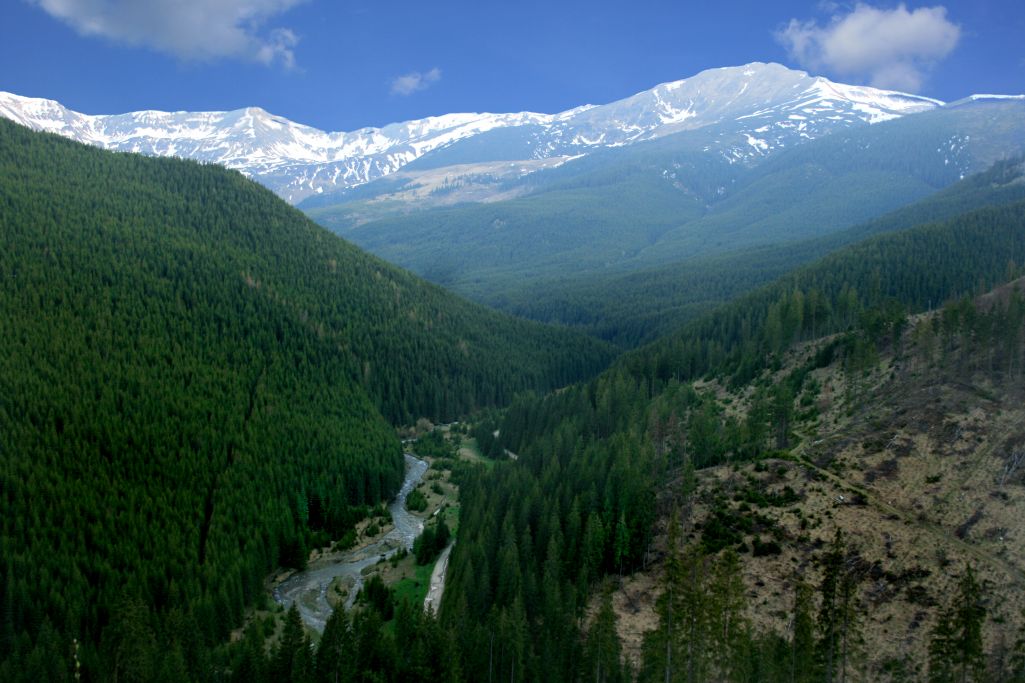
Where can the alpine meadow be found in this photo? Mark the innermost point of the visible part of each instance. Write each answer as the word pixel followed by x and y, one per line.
pixel 717 380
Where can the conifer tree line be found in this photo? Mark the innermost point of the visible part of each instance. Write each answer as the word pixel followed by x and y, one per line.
pixel 640 423
pixel 354 648
pixel 195 389
pixel 884 277
pixel 637 308
pixel 703 634
pixel 534 625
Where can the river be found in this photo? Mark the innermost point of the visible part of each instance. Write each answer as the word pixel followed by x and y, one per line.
pixel 308 589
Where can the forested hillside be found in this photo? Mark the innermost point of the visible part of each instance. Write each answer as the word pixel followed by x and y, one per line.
pixel 593 459
pixel 914 270
pixel 675 198
pixel 197 384
pixel 636 308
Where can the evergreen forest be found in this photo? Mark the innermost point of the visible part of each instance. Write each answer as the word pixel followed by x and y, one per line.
pixel 200 386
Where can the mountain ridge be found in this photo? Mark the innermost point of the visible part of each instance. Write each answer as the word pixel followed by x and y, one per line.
pixel 199 385
pixel 297 161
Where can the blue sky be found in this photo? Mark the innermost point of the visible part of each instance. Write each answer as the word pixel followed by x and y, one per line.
pixel 341 64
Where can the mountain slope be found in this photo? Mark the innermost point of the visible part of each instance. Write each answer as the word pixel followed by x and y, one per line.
pixel 194 386
pixel 721 425
pixel 912 451
pixel 638 307
pixel 671 200
pixel 298 161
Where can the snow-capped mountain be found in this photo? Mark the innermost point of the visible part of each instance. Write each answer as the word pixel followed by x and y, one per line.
pixel 289 158
pixel 770 101
pixel 759 107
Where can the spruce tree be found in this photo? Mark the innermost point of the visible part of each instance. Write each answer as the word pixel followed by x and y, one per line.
pixel 594 545
pixel 1018 655
pixel 956 647
pixel 621 546
pixel 335 654
pixel 291 661
pixel 693 615
pixel 251 666
pixel 602 663
pixel 802 640
pixel 942 650
pixel 729 627
pixel 849 614
pixel 659 663
pixel 829 607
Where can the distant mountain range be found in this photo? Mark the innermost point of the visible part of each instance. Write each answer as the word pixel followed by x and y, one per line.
pixel 759 107
pixel 502 207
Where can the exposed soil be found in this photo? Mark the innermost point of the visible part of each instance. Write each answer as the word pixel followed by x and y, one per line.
pixel 910 461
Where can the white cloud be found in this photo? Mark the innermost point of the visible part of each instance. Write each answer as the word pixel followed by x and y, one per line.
pixel 415 81
pixel 891 48
pixel 188 29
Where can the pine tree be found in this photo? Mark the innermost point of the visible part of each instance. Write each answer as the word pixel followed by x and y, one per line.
pixel 802 640
pixel 291 661
pixel 956 648
pixel 602 663
pixel 829 620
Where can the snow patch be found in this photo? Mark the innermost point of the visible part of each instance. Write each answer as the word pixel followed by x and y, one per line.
pixel 771 105
pixel 760 145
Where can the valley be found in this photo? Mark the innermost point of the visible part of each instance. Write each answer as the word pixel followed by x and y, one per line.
pixel 719 381
pixel 307 589
pixel 211 410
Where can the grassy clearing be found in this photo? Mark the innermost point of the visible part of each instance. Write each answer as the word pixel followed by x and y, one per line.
pixel 470 452
pixel 416 586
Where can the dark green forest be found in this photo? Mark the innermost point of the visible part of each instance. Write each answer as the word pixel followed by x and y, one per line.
pixel 913 270
pixel 633 309
pixel 543 536
pixel 196 386
pixel 199 385
pixel 590 461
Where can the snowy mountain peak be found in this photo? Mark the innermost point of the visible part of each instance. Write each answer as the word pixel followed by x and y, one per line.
pixel 987 98
pixel 760 107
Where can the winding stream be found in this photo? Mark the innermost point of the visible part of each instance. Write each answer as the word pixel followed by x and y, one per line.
pixel 308 589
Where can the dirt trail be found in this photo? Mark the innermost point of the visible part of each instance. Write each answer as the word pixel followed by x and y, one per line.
pixel 937 531
pixel 437 586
